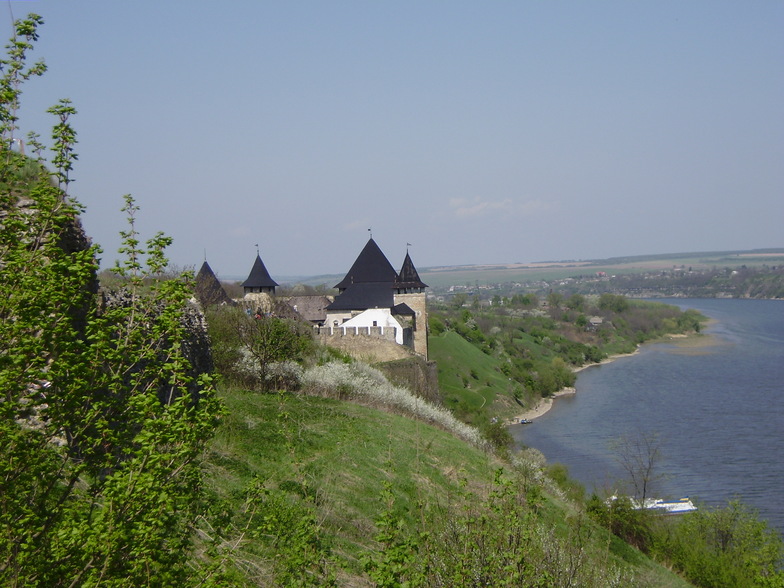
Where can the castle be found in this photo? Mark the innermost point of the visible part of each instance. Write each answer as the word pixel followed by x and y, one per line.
pixel 378 311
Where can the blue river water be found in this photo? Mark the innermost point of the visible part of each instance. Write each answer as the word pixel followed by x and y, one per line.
pixel 716 405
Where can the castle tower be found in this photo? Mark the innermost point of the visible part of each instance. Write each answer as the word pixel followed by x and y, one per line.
pixel 208 289
pixel 259 285
pixel 410 290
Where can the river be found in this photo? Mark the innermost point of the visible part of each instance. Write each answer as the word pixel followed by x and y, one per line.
pixel 715 402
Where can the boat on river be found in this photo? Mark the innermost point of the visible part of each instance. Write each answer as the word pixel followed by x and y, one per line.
pixel 680 506
pixel 662 506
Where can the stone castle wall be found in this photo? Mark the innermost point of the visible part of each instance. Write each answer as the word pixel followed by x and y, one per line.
pixel 369 344
pixel 416 374
pixel 418 303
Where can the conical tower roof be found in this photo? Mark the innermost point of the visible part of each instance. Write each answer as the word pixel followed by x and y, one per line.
pixel 371 266
pixel 208 288
pixel 259 276
pixel 408 276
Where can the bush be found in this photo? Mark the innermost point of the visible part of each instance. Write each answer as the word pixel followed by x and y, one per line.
pixel 619 516
pixel 724 547
pixel 257 351
pixel 362 382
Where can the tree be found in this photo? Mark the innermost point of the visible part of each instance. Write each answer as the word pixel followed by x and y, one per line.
pixel 102 420
pixel 247 347
pixel 459 300
pixel 639 455
pixel 613 302
pixel 554 300
pixel 576 302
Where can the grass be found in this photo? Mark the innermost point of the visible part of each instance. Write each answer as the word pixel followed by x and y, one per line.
pixel 339 460
pixel 468 378
pixel 341 452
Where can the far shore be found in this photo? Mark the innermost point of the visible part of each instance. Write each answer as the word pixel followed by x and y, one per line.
pixel 694 340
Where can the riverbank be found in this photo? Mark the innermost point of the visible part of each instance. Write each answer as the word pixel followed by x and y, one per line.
pixel 692 342
pixel 545 404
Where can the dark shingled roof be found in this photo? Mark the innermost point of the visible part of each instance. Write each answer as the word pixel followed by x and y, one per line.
pixel 208 289
pixel 371 266
pixel 403 309
pixel 259 276
pixel 408 276
pixel 363 296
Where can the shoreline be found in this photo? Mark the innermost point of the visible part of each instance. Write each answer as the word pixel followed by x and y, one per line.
pixel 545 404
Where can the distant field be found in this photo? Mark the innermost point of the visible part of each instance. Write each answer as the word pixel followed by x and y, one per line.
pixel 441 277
pixel 445 276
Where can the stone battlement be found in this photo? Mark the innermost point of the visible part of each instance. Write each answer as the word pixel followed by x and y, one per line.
pixel 385 333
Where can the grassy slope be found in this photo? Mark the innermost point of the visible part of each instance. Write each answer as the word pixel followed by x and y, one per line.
pixel 467 376
pixel 345 454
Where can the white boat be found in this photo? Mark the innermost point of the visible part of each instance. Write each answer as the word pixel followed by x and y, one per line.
pixel 679 506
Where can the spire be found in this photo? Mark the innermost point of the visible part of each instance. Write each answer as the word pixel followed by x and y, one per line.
pixel 408 278
pixel 208 289
pixel 259 277
pixel 370 266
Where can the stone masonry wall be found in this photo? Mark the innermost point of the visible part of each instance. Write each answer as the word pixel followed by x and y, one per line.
pixel 416 374
pixel 367 344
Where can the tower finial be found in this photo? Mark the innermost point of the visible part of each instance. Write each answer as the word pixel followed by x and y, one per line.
pixel 257 248
pixel 370 232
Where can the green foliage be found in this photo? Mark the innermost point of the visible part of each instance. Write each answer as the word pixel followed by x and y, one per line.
pixel 385 500
pixel 287 530
pixel 622 519
pixel 436 325
pixel 537 352
pixel 559 473
pixel 395 563
pixel 497 433
pixel 724 547
pixel 102 419
pixel 247 348
pixel 613 302
pixel 500 539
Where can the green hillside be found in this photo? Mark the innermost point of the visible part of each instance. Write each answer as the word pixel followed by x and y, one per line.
pixel 469 379
pixel 357 496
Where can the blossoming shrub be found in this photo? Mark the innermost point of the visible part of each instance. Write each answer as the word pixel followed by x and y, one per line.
pixel 361 382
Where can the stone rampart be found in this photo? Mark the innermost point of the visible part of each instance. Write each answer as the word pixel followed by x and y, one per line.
pixel 369 344
pixel 384 333
pixel 416 374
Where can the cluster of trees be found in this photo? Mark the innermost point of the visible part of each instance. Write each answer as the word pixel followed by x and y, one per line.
pixel 538 346
pixel 102 420
pixel 256 350
pixel 738 282
pixel 712 548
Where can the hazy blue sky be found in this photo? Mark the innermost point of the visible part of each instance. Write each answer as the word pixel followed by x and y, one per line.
pixel 479 132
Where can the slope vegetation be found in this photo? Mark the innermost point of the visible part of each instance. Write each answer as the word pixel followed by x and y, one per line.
pixel 326 491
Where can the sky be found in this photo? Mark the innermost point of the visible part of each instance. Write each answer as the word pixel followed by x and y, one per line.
pixel 477 132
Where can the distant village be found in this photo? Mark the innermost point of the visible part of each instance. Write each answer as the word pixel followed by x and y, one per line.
pixel 378 313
